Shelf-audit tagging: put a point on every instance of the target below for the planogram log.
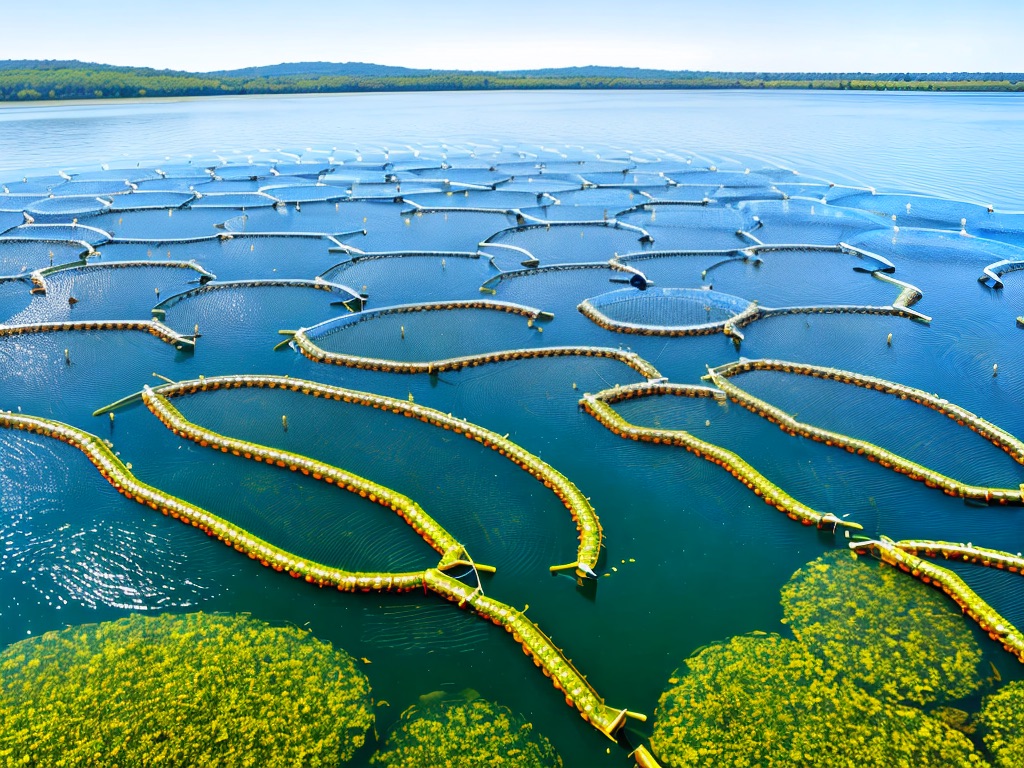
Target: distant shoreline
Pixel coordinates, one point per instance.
(129, 100)
(61, 81)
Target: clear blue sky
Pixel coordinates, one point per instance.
(763, 35)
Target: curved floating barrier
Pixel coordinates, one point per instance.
(999, 437)
(587, 524)
(117, 474)
(305, 339)
(491, 284)
(357, 257)
(872, 452)
(81, 234)
(645, 236)
(994, 272)
(909, 295)
(47, 271)
(968, 553)
(154, 327)
(352, 299)
(750, 311)
(998, 628)
(428, 528)
(599, 406)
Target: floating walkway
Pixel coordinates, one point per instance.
(1010, 444)
(587, 524)
(599, 406)
(153, 327)
(899, 555)
(540, 648)
(305, 339)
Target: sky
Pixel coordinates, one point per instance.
(732, 35)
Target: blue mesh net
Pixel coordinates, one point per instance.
(669, 307)
(64, 209)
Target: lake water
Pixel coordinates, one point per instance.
(692, 557)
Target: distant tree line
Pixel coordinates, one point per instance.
(58, 80)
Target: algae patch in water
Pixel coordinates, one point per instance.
(899, 639)
(193, 689)
(465, 734)
(768, 701)
(1003, 718)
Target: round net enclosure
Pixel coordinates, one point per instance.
(676, 310)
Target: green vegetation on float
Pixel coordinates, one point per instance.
(195, 689)
(465, 734)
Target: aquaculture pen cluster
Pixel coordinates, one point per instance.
(430, 230)
(872, 453)
(305, 339)
(998, 437)
(597, 405)
(587, 524)
(578, 691)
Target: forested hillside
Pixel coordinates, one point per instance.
(28, 80)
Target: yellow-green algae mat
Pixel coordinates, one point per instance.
(182, 690)
(464, 734)
(1003, 718)
(895, 637)
(869, 646)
